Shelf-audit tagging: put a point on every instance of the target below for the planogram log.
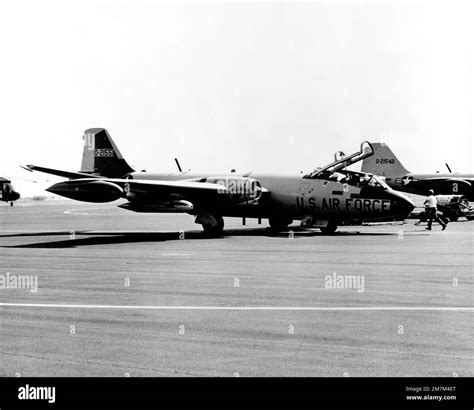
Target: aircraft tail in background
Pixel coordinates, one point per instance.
(384, 162)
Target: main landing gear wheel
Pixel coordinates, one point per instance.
(215, 230)
(279, 223)
(329, 229)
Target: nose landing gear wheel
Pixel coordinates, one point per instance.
(329, 229)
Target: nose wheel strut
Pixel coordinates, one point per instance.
(214, 230)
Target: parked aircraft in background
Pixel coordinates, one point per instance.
(330, 195)
(7, 193)
(385, 163)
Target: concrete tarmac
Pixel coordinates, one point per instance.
(121, 294)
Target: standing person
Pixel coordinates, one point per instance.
(432, 203)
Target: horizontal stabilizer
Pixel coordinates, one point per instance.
(57, 172)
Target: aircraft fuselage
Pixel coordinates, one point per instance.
(442, 184)
(299, 197)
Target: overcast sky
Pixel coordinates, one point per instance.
(262, 86)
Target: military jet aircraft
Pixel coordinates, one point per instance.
(385, 163)
(331, 195)
(7, 193)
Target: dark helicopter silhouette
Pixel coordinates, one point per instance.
(7, 193)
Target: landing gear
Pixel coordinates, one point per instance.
(214, 230)
(11, 203)
(330, 228)
(279, 223)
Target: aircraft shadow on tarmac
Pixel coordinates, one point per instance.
(89, 238)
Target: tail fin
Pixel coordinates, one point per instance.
(101, 156)
(384, 162)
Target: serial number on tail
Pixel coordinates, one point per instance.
(104, 152)
(384, 161)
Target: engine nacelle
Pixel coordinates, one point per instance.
(238, 189)
(88, 190)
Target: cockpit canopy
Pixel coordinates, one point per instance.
(376, 182)
(357, 179)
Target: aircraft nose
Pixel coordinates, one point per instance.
(401, 205)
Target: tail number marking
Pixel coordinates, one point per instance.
(383, 161)
(100, 153)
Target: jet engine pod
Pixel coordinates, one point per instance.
(87, 190)
(238, 189)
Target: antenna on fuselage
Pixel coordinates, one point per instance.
(449, 169)
(179, 166)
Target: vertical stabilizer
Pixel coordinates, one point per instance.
(384, 162)
(101, 156)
